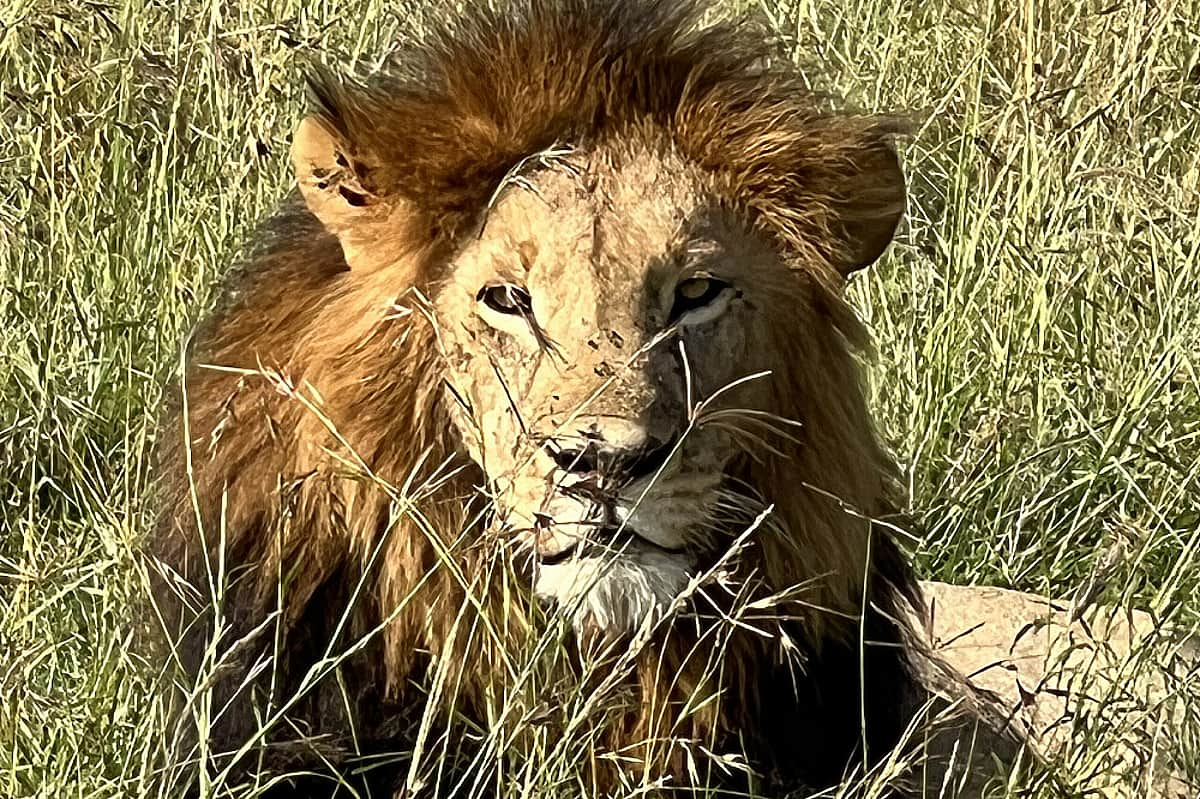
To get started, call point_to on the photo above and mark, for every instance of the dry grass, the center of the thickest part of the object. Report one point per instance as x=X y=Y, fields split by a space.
x=1037 y=324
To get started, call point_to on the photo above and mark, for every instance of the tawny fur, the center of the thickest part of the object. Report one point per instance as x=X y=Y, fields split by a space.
x=330 y=390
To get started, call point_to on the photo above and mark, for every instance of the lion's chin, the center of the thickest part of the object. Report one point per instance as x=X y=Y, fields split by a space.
x=613 y=594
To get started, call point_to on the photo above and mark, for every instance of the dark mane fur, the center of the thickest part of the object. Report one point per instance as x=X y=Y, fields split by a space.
x=247 y=478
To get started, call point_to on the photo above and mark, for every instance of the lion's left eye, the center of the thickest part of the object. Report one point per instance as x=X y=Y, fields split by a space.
x=506 y=298
x=696 y=293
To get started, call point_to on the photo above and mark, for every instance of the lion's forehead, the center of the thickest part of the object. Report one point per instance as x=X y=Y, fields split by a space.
x=596 y=232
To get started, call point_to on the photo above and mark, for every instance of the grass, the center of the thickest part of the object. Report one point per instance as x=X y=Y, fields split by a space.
x=1037 y=323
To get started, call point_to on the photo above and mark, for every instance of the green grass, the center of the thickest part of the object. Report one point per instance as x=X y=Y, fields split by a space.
x=1037 y=324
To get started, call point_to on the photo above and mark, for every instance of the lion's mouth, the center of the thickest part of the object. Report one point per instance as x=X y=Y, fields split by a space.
x=558 y=557
x=608 y=539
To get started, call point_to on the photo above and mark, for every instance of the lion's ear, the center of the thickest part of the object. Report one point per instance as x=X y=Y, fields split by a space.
x=873 y=208
x=331 y=179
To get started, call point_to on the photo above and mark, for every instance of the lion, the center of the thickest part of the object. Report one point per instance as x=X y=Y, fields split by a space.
x=551 y=331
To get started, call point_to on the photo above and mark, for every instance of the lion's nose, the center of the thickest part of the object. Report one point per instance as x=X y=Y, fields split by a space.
x=629 y=462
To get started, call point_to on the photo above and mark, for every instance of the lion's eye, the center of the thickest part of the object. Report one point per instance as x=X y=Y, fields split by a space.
x=695 y=293
x=506 y=298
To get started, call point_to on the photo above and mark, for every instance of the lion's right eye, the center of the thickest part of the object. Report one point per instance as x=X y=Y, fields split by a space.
x=506 y=298
x=698 y=296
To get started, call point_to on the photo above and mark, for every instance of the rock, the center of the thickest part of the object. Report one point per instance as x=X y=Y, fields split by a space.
x=1107 y=699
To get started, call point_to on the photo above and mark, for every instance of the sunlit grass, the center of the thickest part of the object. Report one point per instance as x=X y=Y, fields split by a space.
x=1038 y=370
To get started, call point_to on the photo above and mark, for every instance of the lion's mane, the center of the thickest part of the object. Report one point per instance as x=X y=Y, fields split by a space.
x=303 y=402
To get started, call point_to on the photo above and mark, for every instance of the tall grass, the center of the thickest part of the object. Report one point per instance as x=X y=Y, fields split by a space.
x=1038 y=370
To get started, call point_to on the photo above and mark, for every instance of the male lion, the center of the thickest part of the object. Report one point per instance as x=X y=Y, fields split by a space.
x=556 y=313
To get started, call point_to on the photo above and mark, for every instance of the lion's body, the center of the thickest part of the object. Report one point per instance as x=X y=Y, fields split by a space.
x=371 y=440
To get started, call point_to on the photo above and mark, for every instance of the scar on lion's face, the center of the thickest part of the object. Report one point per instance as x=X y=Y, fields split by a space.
x=599 y=323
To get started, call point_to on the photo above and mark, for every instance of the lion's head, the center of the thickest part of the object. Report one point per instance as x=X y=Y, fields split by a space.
x=638 y=311
x=582 y=260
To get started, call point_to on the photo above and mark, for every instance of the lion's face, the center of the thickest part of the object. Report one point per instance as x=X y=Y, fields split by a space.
x=606 y=312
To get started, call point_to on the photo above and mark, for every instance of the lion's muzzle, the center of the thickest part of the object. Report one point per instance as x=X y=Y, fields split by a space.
x=609 y=544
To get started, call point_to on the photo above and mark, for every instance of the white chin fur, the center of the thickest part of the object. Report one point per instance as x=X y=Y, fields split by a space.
x=614 y=593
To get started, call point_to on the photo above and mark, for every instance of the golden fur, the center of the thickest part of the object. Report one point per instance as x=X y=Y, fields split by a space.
x=318 y=458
